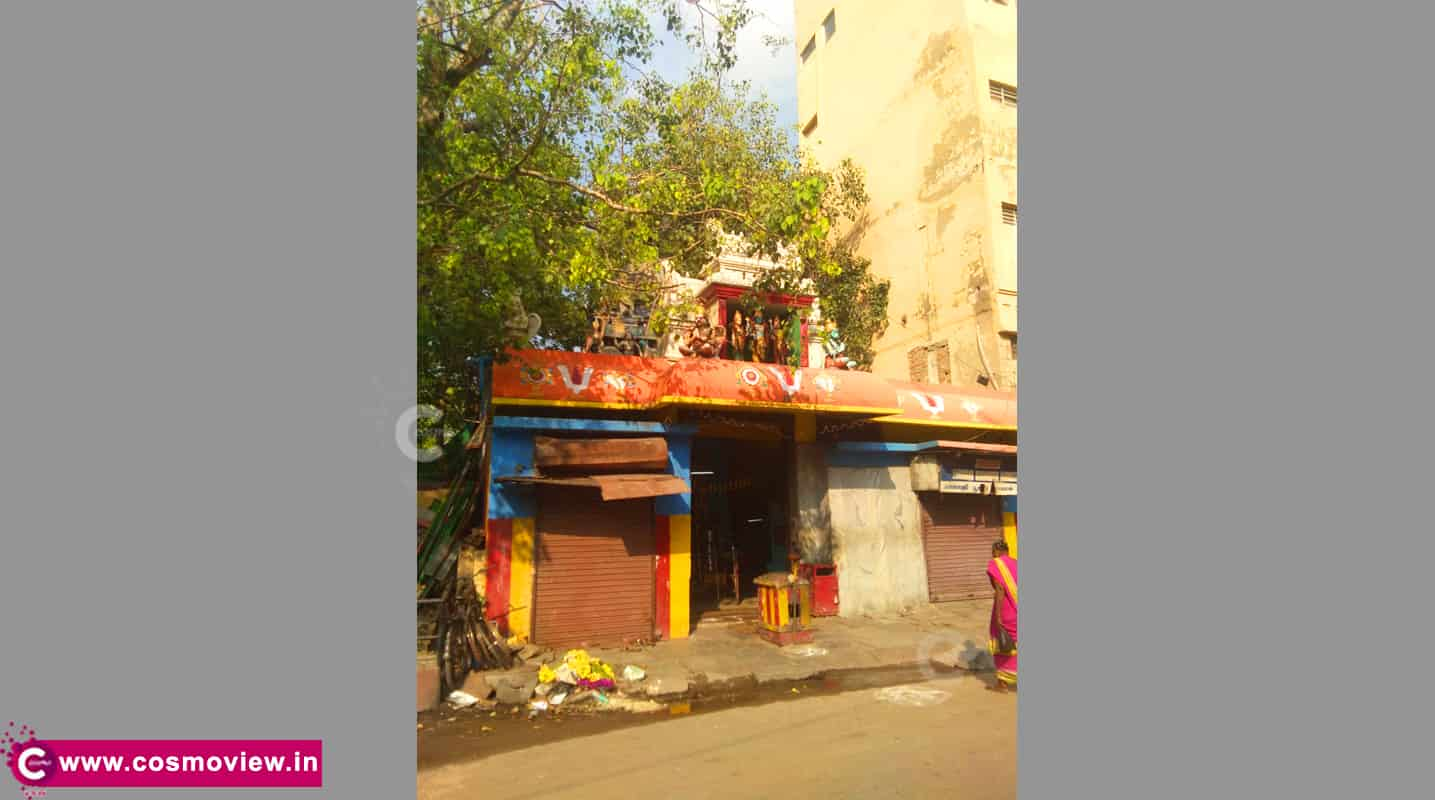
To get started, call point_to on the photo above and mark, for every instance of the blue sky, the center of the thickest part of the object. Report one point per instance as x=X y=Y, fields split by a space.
x=773 y=75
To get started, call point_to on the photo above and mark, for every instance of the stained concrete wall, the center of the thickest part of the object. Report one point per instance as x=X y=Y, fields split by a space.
x=905 y=95
x=876 y=539
x=810 y=519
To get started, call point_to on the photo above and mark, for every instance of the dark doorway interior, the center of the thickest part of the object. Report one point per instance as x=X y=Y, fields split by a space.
x=739 y=519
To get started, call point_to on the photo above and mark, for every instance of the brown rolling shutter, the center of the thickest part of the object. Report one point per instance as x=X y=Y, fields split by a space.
x=593 y=579
x=958 y=531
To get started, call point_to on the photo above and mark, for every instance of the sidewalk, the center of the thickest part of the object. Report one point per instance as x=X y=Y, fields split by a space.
x=727 y=648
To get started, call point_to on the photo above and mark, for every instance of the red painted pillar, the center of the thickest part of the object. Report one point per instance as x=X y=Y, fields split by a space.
x=663 y=601
x=724 y=322
x=496 y=572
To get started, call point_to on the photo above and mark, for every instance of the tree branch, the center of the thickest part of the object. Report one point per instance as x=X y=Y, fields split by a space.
x=618 y=206
x=703 y=213
x=542 y=132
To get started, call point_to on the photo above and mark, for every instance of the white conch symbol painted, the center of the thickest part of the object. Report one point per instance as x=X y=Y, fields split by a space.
x=575 y=388
x=825 y=383
x=971 y=408
x=616 y=381
x=931 y=403
x=791 y=388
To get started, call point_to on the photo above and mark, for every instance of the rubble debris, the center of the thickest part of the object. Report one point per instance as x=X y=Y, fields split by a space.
x=461 y=699
x=513 y=688
x=476 y=685
x=619 y=703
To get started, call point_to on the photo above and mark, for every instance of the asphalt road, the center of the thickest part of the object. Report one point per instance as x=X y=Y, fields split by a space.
x=947 y=738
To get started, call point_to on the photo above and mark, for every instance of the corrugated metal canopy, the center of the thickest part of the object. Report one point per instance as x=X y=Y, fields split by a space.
x=612 y=487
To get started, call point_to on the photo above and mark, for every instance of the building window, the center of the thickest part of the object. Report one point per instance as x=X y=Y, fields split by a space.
x=810 y=126
x=1009 y=213
x=942 y=358
x=1011 y=344
x=829 y=25
x=810 y=48
x=930 y=363
x=917 y=365
x=1003 y=93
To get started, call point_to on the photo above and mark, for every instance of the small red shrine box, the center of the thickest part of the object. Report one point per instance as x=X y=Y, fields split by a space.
x=823 y=578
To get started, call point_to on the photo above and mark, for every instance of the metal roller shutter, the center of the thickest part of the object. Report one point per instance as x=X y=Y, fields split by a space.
x=594 y=569
x=958 y=531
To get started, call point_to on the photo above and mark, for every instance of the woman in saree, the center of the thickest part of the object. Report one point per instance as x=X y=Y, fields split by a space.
x=1001 y=570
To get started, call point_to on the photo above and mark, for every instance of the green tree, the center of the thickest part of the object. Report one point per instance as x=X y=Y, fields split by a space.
x=555 y=171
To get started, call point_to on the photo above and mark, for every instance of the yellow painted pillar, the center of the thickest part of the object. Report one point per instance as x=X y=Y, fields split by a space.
x=520 y=581
x=1009 y=532
x=680 y=570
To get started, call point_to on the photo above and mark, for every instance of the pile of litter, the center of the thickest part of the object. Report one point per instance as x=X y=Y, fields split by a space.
x=579 y=678
x=578 y=669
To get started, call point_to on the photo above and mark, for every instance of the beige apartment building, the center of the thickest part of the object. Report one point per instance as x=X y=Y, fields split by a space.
x=922 y=95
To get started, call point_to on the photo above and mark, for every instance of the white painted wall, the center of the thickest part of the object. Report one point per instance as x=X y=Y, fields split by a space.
x=876 y=540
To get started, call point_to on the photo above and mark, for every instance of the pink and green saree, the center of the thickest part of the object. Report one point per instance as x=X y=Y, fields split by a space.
x=1002 y=571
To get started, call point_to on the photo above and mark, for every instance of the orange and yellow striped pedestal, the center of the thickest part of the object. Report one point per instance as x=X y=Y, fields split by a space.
x=777 y=600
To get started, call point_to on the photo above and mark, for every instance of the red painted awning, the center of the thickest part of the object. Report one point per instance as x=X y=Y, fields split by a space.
x=594 y=380
x=954 y=407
